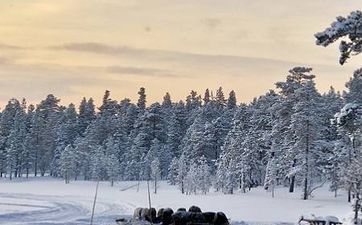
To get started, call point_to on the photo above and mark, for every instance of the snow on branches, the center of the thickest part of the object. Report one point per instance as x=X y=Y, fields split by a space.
x=351 y=27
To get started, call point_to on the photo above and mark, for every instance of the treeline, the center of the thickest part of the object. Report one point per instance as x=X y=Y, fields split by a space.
x=284 y=137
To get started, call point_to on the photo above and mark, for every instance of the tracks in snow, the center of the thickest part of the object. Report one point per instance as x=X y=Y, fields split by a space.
x=60 y=210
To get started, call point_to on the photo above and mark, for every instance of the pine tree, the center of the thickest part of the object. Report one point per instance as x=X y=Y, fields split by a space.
x=349 y=27
x=173 y=171
x=28 y=145
x=48 y=113
x=207 y=97
x=155 y=172
x=176 y=129
x=353 y=181
x=86 y=114
x=142 y=99
x=113 y=168
x=67 y=132
x=283 y=139
x=203 y=175
x=67 y=163
x=232 y=162
x=99 y=164
x=305 y=125
x=349 y=123
x=354 y=85
x=15 y=143
x=6 y=126
x=271 y=175
x=134 y=168
x=220 y=99
x=191 y=179
x=231 y=102
x=167 y=103
x=193 y=101
x=182 y=173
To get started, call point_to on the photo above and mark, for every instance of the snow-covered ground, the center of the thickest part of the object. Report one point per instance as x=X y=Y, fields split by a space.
x=51 y=201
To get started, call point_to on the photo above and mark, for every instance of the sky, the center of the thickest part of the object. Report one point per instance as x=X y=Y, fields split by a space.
x=80 y=48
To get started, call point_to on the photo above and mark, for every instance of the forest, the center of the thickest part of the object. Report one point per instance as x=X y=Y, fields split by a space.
x=284 y=137
x=293 y=135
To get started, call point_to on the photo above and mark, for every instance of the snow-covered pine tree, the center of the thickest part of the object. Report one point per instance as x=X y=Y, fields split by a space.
x=167 y=103
x=203 y=175
x=176 y=128
x=6 y=125
x=83 y=148
x=28 y=145
x=191 y=179
x=283 y=139
x=220 y=99
x=231 y=166
x=306 y=126
x=3 y=154
x=112 y=160
x=99 y=164
x=350 y=27
x=231 y=102
x=207 y=97
x=134 y=158
x=182 y=173
x=173 y=171
x=354 y=86
x=67 y=132
x=193 y=101
x=271 y=174
x=155 y=173
x=113 y=168
x=86 y=114
x=353 y=179
x=349 y=123
x=48 y=113
x=67 y=164
x=15 y=143
x=333 y=144
x=142 y=99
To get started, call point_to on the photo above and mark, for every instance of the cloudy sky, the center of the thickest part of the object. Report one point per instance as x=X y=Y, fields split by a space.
x=76 y=48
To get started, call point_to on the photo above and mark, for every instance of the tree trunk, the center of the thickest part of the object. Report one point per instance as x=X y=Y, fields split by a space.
x=356 y=209
x=306 y=175
x=292 y=178
x=36 y=156
x=305 y=189
x=243 y=188
x=292 y=183
x=182 y=187
x=155 y=185
x=349 y=198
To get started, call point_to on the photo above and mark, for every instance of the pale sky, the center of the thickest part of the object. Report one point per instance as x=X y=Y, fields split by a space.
x=79 y=48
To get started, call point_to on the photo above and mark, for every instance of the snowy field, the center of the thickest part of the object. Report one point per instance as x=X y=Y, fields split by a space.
x=49 y=201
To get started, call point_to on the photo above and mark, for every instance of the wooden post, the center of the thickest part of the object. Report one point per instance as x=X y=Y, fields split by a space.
x=149 y=195
x=94 y=203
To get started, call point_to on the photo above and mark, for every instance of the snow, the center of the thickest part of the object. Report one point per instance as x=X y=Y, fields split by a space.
x=51 y=201
x=345 y=111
